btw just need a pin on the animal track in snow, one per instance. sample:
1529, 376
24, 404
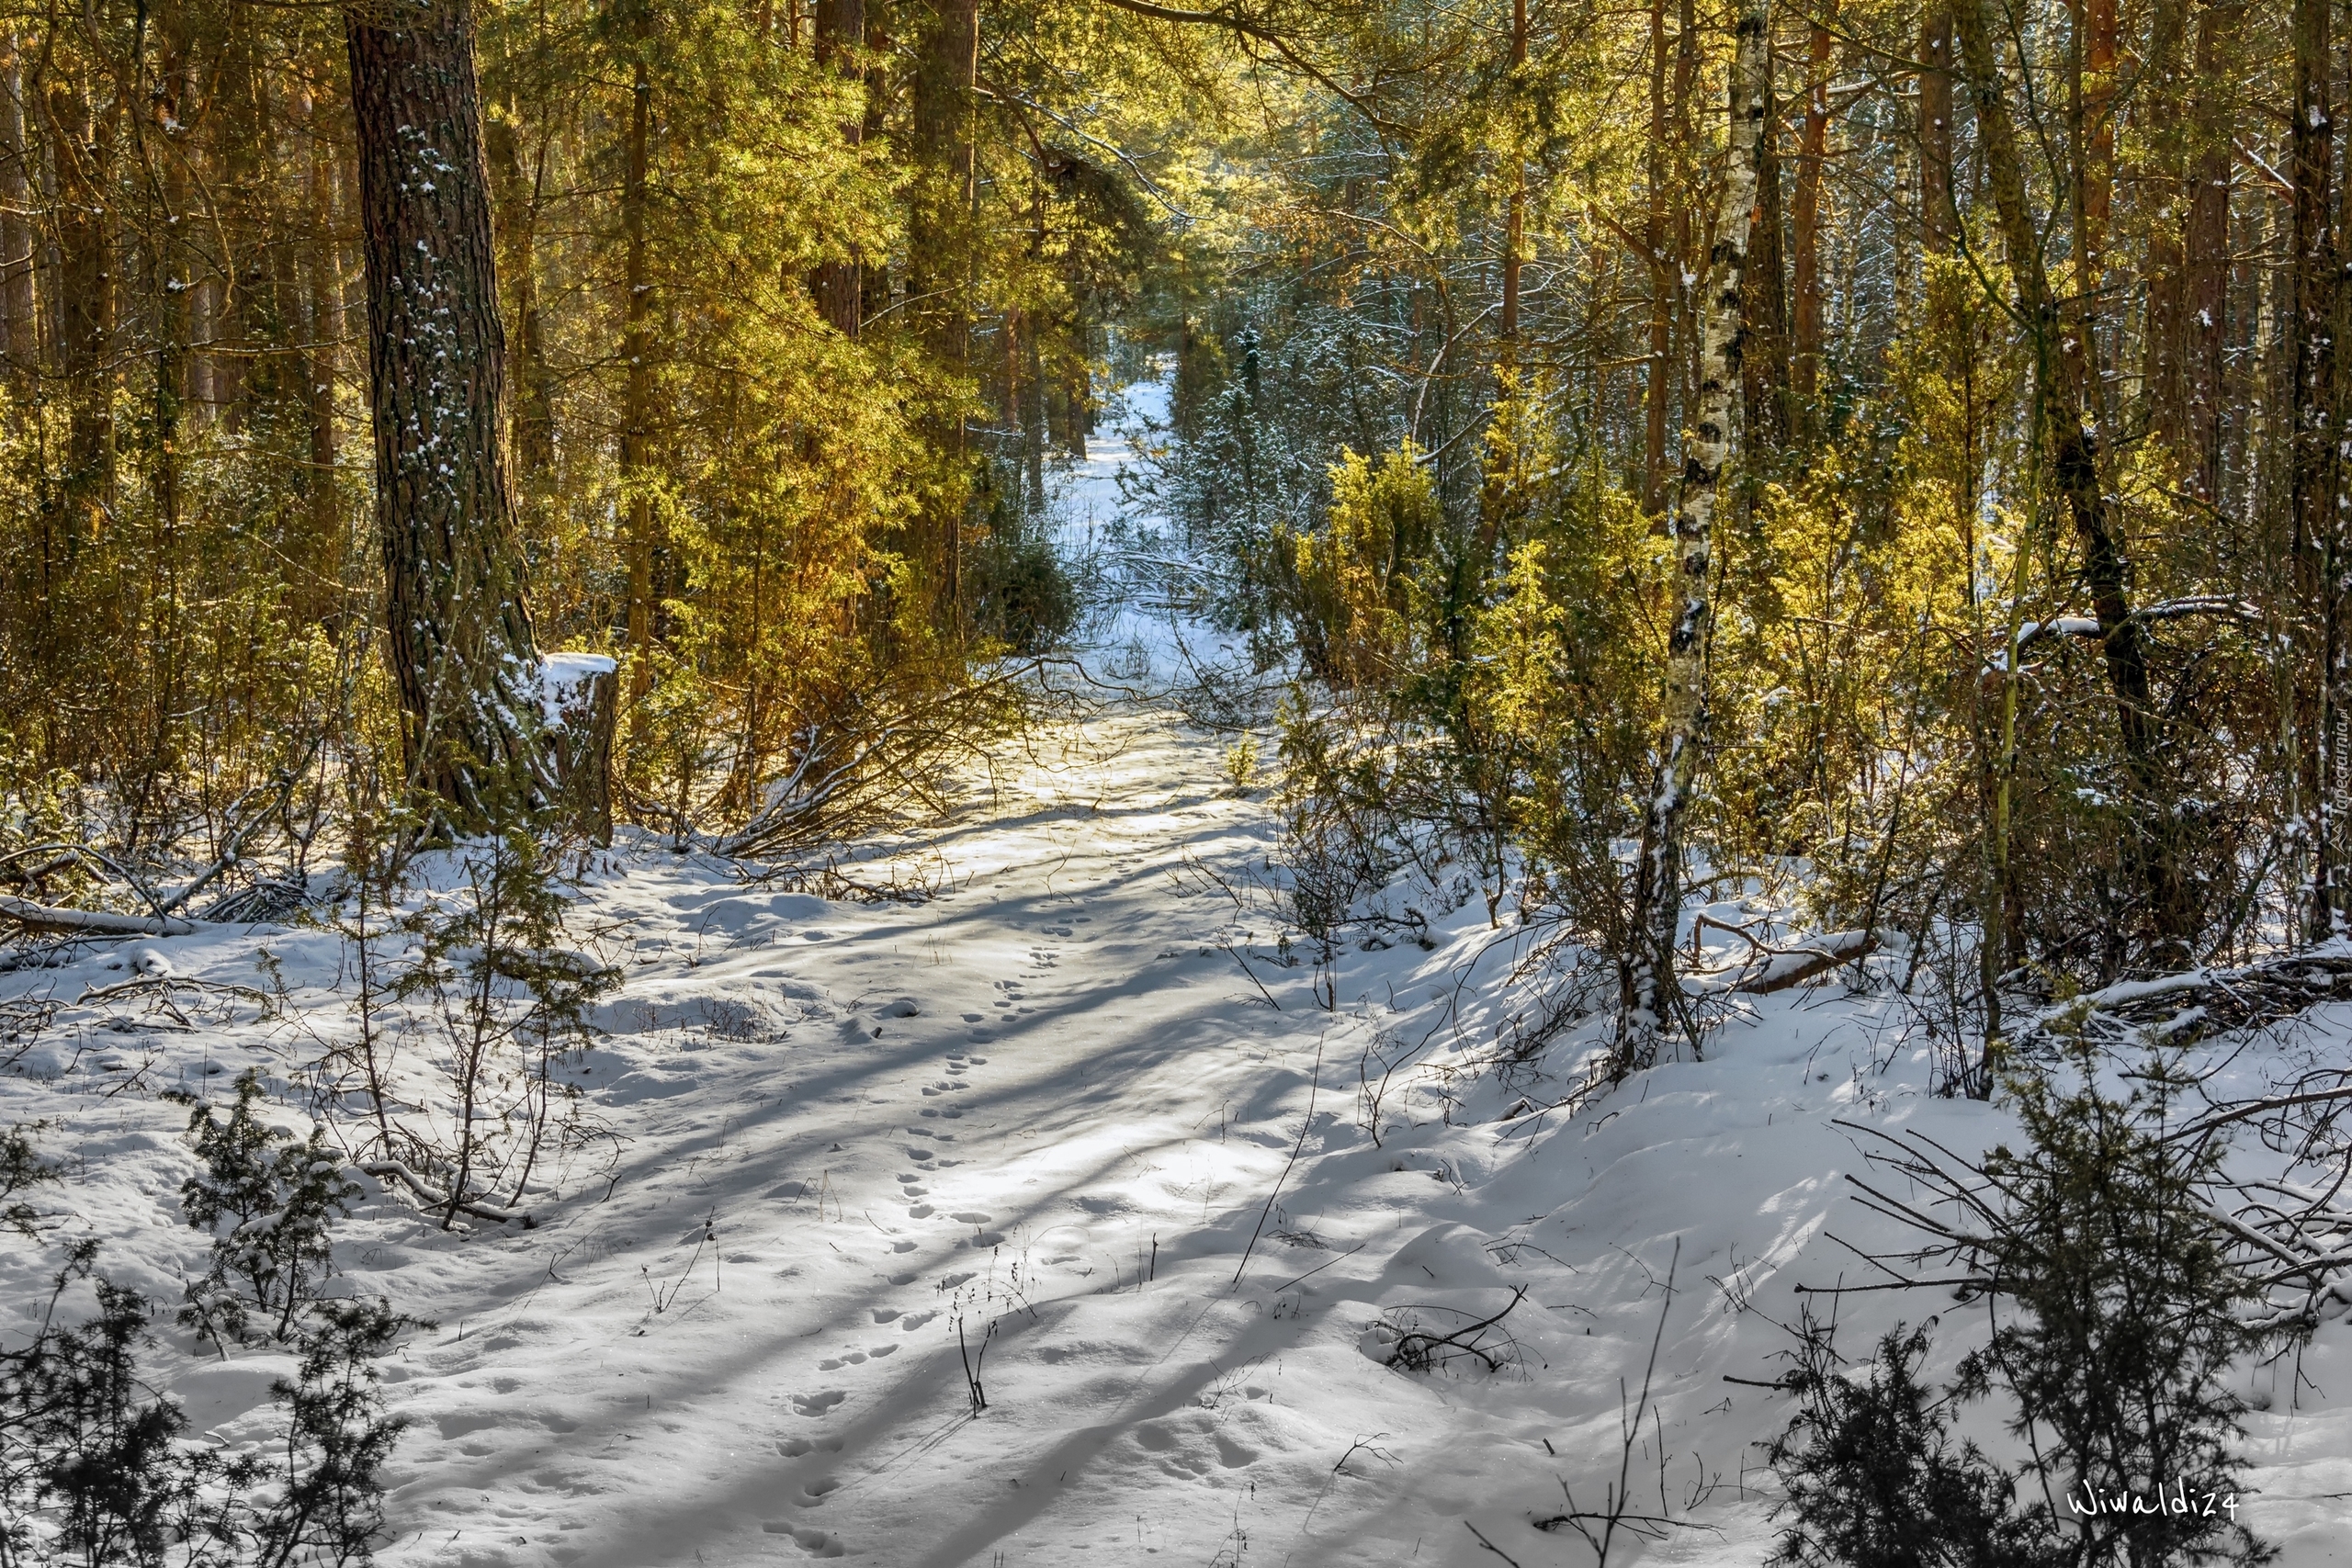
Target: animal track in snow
817, 1543
920, 1211
818, 1404
794, 1447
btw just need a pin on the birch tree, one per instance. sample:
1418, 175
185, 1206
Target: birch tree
1651, 994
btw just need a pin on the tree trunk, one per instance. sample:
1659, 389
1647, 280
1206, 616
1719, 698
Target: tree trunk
1515, 218
2063, 364
939, 263
2097, 173
459, 639
637, 397
20, 330
1804, 365
518, 199
837, 284
2162, 183
1938, 224
2312, 457
322, 317
86, 289
1652, 993
1661, 289
1764, 360
2206, 260
873, 282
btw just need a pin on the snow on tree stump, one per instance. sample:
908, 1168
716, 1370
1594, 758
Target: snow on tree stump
579, 700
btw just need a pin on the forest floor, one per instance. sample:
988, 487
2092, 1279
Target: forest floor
1074, 1122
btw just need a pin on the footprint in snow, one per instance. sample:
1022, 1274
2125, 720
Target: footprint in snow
795, 1448
816, 1543
813, 1492
813, 1405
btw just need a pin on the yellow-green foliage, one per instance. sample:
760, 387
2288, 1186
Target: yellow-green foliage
1357, 579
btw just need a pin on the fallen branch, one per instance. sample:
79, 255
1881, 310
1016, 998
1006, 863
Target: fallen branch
432, 1200
164, 985
1818, 955
89, 922
1254, 976
1314, 1088
1419, 1350
2180, 1009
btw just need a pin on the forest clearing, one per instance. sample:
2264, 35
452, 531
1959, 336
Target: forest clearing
1082, 780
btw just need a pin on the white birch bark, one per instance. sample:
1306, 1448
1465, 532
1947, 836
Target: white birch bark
1650, 1001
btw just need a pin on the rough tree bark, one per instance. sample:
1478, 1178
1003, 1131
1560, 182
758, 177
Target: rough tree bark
1764, 395
2063, 364
2163, 184
1651, 989
532, 427
2206, 264
322, 328
1813, 154
460, 641
838, 286
938, 256
2310, 351
1515, 218
19, 335
645, 549
81, 143
1661, 286
1937, 223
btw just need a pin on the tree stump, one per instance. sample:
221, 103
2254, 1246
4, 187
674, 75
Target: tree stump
578, 696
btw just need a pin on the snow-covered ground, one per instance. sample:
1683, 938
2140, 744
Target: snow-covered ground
1076, 1115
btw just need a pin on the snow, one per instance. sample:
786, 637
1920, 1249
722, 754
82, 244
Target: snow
1083, 1103
564, 676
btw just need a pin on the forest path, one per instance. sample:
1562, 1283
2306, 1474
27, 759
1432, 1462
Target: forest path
1047, 1105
